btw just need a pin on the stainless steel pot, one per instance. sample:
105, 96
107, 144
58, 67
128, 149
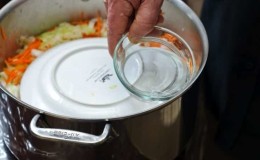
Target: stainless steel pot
30, 133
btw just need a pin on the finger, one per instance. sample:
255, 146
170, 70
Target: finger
119, 13
146, 18
130, 21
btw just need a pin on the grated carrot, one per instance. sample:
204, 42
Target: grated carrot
98, 29
25, 56
16, 66
79, 22
99, 25
79, 19
90, 35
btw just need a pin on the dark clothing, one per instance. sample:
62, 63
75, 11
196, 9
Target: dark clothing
3, 2
232, 73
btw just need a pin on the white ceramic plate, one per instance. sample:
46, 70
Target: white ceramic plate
77, 80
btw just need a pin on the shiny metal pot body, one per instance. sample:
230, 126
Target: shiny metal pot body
156, 135
29, 132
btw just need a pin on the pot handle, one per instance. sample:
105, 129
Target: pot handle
67, 135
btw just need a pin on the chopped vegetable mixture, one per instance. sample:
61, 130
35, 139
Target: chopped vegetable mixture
33, 47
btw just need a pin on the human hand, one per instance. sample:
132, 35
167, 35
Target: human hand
138, 17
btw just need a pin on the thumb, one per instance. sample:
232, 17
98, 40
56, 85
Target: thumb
147, 16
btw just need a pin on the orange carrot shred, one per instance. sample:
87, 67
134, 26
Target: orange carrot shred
17, 65
99, 25
90, 35
80, 22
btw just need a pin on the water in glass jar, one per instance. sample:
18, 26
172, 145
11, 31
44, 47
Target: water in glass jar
156, 71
